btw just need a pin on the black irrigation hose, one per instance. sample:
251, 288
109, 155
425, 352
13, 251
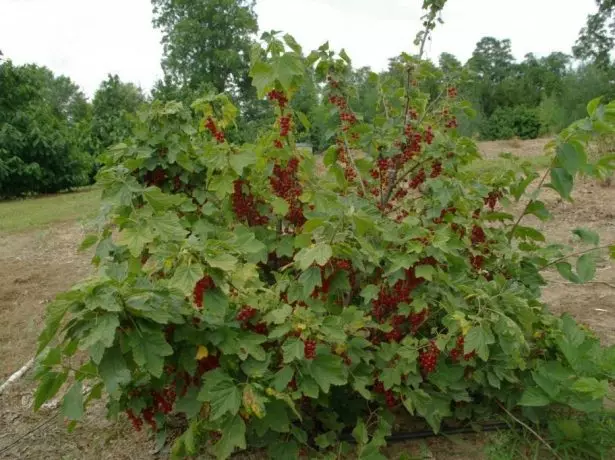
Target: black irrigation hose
412, 435
25, 435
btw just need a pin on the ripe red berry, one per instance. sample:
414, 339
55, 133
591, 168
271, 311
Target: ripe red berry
200, 288
246, 314
428, 358
418, 179
478, 235
309, 349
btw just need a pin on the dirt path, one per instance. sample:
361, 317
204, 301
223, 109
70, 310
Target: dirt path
36, 265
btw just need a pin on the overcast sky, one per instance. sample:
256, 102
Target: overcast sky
87, 39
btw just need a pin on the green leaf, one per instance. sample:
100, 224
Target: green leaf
345, 56
287, 67
186, 277
534, 397
390, 377
293, 45
565, 270
310, 279
103, 331
263, 77
570, 158
161, 201
425, 271
72, 405
319, 254
215, 307
49, 387
280, 206
149, 349
284, 450
586, 268
224, 262
538, 209
168, 227
595, 388
593, 105
233, 436
303, 119
282, 378
587, 236
478, 339
113, 370
612, 252
89, 241
292, 350
135, 239
240, 161
189, 403
528, 233
279, 315
54, 315
561, 182
220, 391
328, 370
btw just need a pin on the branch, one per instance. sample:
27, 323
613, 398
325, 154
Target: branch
16, 376
354, 165
529, 428
529, 203
575, 254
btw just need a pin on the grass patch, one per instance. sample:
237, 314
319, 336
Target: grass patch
32, 213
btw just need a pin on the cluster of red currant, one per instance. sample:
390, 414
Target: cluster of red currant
388, 299
478, 235
204, 284
285, 184
155, 177
429, 135
477, 261
246, 314
391, 400
309, 349
285, 125
279, 97
457, 352
452, 123
418, 179
210, 124
436, 169
342, 157
492, 199
245, 205
428, 358
452, 92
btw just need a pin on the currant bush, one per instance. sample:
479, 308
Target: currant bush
262, 297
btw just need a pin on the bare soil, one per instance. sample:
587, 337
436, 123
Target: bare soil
36, 265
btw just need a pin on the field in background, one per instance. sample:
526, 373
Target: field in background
39, 212
38, 258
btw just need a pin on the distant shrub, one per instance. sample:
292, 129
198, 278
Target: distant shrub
506, 123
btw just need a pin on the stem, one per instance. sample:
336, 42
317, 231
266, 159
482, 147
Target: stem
529, 428
575, 254
354, 165
527, 206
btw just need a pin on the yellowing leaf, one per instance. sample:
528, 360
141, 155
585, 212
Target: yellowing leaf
202, 352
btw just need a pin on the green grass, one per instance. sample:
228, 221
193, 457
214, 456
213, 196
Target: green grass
33, 213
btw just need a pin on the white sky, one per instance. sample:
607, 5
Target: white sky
87, 39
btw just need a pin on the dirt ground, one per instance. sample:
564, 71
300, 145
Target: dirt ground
36, 265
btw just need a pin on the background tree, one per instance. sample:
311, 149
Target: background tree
40, 141
597, 38
113, 103
206, 42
